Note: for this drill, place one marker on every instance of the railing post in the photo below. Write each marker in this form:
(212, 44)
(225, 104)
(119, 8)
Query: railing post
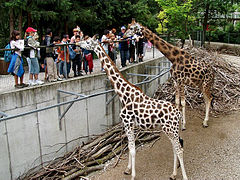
(65, 61)
(59, 111)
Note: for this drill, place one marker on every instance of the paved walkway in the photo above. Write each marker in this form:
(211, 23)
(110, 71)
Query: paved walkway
(7, 81)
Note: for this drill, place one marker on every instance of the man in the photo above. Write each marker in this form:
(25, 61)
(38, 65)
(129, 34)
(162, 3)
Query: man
(51, 67)
(77, 61)
(76, 31)
(123, 47)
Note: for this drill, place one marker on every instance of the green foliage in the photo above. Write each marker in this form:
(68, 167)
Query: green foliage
(175, 17)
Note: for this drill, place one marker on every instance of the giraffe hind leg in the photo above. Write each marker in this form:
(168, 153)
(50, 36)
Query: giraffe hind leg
(178, 152)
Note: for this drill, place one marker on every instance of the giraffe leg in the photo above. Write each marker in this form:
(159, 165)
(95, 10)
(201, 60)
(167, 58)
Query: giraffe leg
(174, 174)
(179, 152)
(132, 153)
(208, 99)
(177, 97)
(129, 167)
(183, 103)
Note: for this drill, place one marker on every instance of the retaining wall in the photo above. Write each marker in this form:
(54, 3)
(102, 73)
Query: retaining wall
(30, 140)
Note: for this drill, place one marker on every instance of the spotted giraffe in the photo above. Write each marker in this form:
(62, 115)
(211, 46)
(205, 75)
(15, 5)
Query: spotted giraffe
(139, 110)
(185, 70)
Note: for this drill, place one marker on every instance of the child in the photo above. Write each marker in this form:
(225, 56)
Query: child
(16, 64)
(33, 65)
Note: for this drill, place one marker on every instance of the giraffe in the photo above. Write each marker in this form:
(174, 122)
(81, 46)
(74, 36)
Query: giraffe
(185, 70)
(139, 110)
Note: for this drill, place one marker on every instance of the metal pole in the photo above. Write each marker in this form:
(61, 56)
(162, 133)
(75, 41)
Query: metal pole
(65, 62)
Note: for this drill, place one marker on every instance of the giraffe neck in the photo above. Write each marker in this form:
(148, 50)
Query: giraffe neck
(170, 51)
(121, 86)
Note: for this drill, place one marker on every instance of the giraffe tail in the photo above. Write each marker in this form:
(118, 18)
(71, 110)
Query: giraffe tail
(212, 101)
(181, 142)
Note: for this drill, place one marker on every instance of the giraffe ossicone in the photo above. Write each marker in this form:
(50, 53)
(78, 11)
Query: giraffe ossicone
(185, 70)
(139, 110)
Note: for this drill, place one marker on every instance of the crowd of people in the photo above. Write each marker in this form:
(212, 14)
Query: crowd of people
(56, 58)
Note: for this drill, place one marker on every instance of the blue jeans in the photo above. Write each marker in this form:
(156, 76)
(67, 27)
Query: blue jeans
(124, 56)
(62, 68)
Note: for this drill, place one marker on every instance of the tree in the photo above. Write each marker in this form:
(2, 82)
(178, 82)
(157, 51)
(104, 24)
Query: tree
(175, 17)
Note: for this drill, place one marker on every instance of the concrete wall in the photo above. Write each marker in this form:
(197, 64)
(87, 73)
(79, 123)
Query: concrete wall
(30, 140)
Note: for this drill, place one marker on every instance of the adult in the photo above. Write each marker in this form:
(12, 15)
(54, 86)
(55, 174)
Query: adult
(16, 63)
(76, 31)
(32, 57)
(51, 67)
(105, 44)
(123, 47)
(139, 46)
(77, 61)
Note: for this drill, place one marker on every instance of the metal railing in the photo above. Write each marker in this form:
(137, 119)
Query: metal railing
(79, 97)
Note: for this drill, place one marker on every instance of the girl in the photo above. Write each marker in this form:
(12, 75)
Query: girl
(16, 64)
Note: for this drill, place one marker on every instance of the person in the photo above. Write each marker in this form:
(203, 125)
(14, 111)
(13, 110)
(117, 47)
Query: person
(16, 63)
(77, 61)
(112, 47)
(88, 59)
(76, 31)
(32, 57)
(63, 66)
(123, 47)
(105, 44)
(139, 45)
(57, 40)
(51, 68)
(132, 46)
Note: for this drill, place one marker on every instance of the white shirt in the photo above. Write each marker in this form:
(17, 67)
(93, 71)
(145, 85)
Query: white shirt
(104, 45)
(17, 44)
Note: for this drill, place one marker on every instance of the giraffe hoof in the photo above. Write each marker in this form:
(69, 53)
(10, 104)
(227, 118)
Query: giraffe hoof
(127, 172)
(172, 177)
(205, 125)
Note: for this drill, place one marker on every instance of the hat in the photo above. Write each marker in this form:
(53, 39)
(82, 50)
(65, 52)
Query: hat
(123, 27)
(75, 30)
(30, 29)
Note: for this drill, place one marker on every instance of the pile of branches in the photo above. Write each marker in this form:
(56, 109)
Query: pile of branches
(226, 88)
(91, 156)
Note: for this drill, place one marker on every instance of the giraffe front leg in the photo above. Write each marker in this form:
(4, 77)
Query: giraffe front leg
(183, 103)
(207, 103)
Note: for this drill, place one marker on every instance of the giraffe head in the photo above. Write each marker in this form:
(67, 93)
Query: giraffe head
(89, 44)
(134, 28)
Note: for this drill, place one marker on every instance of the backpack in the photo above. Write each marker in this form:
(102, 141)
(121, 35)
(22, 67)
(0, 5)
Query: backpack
(26, 52)
(7, 54)
(72, 53)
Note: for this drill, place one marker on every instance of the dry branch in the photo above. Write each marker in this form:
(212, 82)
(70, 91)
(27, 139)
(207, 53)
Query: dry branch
(90, 157)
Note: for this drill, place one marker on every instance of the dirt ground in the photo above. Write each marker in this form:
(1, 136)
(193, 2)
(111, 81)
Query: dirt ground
(209, 153)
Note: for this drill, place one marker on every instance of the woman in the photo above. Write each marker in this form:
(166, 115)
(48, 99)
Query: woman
(16, 64)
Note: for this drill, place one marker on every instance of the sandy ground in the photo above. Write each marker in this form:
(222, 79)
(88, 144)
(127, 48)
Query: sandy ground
(209, 153)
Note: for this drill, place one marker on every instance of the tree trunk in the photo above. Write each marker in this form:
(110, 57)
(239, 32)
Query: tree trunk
(29, 19)
(11, 20)
(205, 23)
(20, 22)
